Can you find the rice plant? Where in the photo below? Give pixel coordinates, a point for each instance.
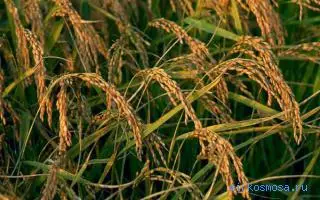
(150, 99)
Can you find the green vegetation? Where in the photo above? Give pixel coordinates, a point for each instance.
(159, 99)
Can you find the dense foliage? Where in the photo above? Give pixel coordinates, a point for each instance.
(159, 99)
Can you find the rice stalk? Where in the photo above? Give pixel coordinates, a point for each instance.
(218, 106)
(128, 33)
(202, 65)
(136, 39)
(155, 144)
(25, 37)
(221, 7)
(1, 98)
(172, 176)
(117, 8)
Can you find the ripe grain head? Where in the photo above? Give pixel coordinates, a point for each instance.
(263, 68)
(37, 52)
(220, 152)
(307, 51)
(33, 16)
(51, 185)
(221, 7)
(64, 134)
(310, 4)
(198, 48)
(123, 106)
(115, 61)
(88, 40)
(182, 6)
(22, 48)
(173, 90)
(217, 102)
(268, 21)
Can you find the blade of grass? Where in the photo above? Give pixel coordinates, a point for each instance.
(236, 17)
(310, 166)
(54, 35)
(210, 28)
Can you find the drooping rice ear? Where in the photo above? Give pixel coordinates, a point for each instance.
(307, 51)
(115, 61)
(88, 40)
(182, 6)
(123, 106)
(173, 91)
(262, 67)
(37, 53)
(51, 185)
(22, 51)
(268, 20)
(313, 5)
(198, 48)
(220, 152)
(64, 134)
(33, 16)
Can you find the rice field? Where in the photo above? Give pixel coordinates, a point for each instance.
(159, 99)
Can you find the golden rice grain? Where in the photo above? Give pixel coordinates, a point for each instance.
(220, 6)
(115, 61)
(213, 147)
(64, 134)
(51, 185)
(173, 90)
(264, 70)
(268, 21)
(307, 51)
(198, 48)
(220, 152)
(88, 40)
(22, 48)
(310, 4)
(33, 16)
(183, 6)
(123, 106)
(37, 52)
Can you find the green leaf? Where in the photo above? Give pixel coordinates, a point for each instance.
(54, 35)
(236, 17)
(316, 85)
(210, 28)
